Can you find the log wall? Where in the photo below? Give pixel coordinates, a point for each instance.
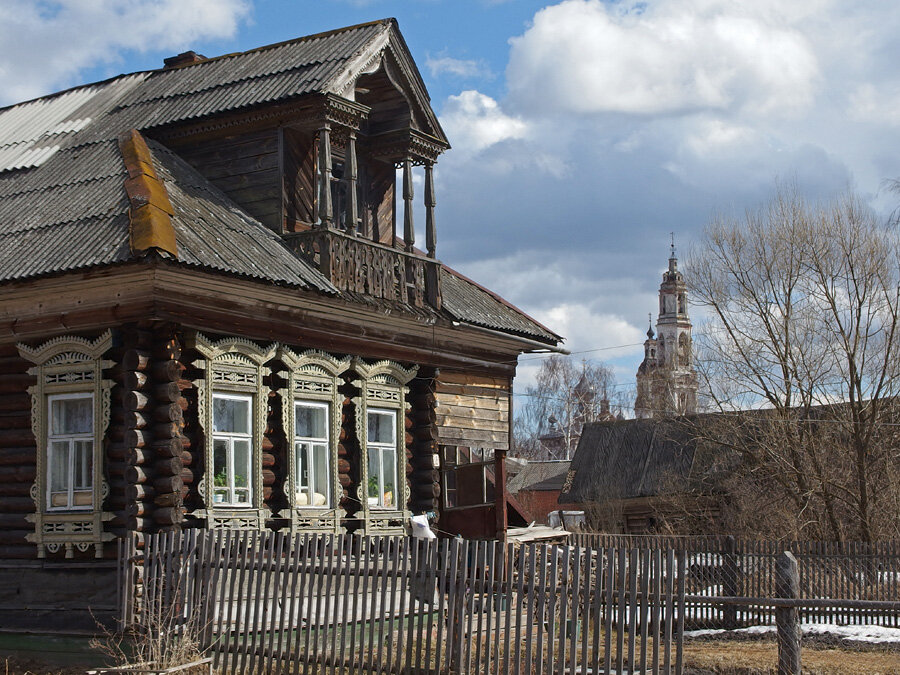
(17, 456)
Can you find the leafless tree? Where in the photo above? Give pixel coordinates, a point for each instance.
(565, 396)
(803, 302)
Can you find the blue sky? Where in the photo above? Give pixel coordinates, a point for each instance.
(583, 131)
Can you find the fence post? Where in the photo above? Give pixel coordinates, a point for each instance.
(787, 619)
(730, 587)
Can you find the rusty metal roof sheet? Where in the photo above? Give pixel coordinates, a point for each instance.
(468, 302)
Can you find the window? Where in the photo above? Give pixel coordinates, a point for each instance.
(70, 404)
(311, 454)
(232, 406)
(468, 476)
(232, 456)
(381, 450)
(70, 451)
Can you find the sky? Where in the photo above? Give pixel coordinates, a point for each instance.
(584, 132)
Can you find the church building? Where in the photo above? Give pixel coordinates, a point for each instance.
(666, 379)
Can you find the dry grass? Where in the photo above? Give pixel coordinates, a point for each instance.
(744, 657)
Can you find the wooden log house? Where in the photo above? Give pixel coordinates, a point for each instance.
(214, 314)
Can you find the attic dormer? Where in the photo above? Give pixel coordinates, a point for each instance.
(333, 170)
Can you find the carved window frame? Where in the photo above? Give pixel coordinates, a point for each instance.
(382, 385)
(69, 365)
(233, 365)
(313, 376)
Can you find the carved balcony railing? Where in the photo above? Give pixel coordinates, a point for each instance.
(361, 266)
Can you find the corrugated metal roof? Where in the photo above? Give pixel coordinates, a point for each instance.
(467, 301)
(214, 233)
(62, 199)
(32, 132)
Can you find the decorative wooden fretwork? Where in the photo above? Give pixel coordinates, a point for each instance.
(233, 366)
(365, 267)
(382, 386)
(69, 366)
(313, 376)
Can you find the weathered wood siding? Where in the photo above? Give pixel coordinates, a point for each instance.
(472, 410)
(17, 455)
(299, 179)
(246, 168)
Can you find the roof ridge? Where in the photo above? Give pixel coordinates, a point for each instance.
(276, 45)
(85, 85)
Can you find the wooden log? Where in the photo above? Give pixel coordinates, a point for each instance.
(15, 438)
(168, 467)
(133, 380)
(139, 492)
(167, 393)
(15, 403)
(167, 371)
(16, 505)
(18, 474)
(25, 551)
(187, 476)
(168, 484)
(171, 412)
(167, 430)
(138, 456)
(15, 456)
(167, 500)
(135, 400)
(171, 447)
(138, 524)
(139, 509)
(136, 438)
(14, 490)
(168, 516)
(267, 459)
(135, 360)
(268, 477)
(136, 475)
(15, 383)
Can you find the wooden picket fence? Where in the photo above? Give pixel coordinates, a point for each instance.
(280, 603)
(725, 566)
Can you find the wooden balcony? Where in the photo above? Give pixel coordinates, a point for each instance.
(361, 266)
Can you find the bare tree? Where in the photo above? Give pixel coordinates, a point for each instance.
(565, 396)
(803, 302)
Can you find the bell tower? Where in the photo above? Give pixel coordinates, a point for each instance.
(666, 380)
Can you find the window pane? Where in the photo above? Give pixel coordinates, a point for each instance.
(241, 496)
(59, 468)
(311, 421)
(390, 478)
(84, 464)
(374, 476)
(241, 463)
(320, 477)
(220, 462)
(381, 427)
(231, 415)
(71, 416)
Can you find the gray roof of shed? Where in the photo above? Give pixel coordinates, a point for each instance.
(539, 476)
(629, 459)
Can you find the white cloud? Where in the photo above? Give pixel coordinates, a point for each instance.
(475, 121)
(670, 56)
(464, 68)
(869, 103)
(44, 45)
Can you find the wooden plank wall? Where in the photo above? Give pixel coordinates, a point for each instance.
(299, 182)
(472, 410)
(246, 168)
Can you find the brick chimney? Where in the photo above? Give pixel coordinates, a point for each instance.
(184, 59)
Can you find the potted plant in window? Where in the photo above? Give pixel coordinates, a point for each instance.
(220, 480)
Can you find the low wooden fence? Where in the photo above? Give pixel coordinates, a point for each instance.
(728, 567)
(272, 602)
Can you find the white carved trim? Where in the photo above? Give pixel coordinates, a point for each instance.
(64, 365)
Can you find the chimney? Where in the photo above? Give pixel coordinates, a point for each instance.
(184, 59)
